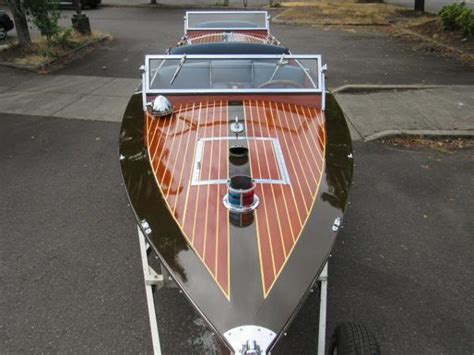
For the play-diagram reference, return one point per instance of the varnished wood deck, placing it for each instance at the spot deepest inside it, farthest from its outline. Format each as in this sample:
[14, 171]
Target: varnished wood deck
[248, 36]
[198, 209]
[207, 37]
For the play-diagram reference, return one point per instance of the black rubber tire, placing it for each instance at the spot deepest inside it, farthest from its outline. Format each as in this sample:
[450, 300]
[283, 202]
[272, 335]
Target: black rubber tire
[353, 339]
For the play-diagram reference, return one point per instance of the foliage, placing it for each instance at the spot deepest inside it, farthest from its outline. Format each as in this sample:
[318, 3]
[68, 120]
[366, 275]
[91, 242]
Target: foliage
[458, 17]
[466, 22]
[60, 42]
[45, 15]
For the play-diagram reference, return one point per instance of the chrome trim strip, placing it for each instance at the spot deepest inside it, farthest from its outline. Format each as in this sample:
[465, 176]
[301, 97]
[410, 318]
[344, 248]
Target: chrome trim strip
[223, 181]
[234, 209]
[233, 91]
[317, 57]
[323, 86]
[232, 56]
[281, 161]
[143, 91]
[197, 161]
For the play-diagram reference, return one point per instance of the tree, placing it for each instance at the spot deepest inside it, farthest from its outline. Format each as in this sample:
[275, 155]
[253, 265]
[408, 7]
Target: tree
[419, 5]
[21, 22]
[45, 15]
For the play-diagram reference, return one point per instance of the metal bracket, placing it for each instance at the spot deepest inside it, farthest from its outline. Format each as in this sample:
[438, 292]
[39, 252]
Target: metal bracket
[152, 278]
[251, 339]
[323, 278]
[251, 348]
[337, 224]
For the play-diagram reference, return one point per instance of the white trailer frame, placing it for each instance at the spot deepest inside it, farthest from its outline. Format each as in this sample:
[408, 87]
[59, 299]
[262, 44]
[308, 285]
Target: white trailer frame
[155, 280]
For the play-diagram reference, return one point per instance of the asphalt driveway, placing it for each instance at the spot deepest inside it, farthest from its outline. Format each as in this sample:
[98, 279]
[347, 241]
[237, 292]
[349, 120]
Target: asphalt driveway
[70, 267]
[70, 271]
[359, 57]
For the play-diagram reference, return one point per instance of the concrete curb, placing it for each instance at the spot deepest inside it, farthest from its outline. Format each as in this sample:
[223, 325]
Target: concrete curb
[433, 133]
[360, 88]
[190, 6]
[44, 66]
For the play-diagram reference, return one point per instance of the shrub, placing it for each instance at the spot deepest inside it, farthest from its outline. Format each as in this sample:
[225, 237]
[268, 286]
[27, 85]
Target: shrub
[64, 39]
[45, 15]
[59, 43]
[458, 17]
[466, 22]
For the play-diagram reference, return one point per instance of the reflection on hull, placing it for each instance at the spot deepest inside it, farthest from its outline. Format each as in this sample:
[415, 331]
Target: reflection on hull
[239, 268]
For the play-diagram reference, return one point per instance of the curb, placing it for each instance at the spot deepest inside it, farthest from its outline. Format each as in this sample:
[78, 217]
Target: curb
[367, 88]
[193, 6]
[44, 66]
[420, 132]
[362, 88]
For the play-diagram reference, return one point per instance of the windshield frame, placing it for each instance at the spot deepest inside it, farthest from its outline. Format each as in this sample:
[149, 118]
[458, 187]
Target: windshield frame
[317, 57]
[237, 13]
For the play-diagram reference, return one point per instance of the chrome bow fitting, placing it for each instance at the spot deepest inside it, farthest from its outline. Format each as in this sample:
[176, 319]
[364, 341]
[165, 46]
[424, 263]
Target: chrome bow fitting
[161, 106]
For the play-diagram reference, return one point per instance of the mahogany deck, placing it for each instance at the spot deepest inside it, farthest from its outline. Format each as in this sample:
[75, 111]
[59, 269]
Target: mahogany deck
[195, 37]
[198, 209]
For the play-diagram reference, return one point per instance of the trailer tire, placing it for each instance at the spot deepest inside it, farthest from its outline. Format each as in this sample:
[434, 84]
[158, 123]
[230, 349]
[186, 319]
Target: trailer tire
[353, 339]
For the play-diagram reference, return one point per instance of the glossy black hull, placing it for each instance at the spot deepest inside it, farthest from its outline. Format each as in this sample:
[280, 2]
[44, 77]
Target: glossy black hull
[301, 271]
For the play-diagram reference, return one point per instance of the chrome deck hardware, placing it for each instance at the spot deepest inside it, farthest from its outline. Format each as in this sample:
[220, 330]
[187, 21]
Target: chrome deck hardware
[337, 224]
[237, 127]
[250, 339]
[161, 106]
[240, 197]
[251, 348]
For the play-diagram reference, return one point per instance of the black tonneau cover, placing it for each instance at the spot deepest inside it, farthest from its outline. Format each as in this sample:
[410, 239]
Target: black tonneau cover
[229, 48]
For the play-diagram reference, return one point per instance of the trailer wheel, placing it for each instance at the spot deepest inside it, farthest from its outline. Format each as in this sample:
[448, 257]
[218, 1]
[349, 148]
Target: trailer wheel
[3, 35]
[353, 339]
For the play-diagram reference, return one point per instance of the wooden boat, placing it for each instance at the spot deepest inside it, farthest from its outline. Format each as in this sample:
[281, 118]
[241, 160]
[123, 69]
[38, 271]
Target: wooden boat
[237, 164]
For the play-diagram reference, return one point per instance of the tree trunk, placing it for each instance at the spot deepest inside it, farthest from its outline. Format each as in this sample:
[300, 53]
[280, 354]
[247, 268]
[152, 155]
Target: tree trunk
[21, 22]
[419, 5]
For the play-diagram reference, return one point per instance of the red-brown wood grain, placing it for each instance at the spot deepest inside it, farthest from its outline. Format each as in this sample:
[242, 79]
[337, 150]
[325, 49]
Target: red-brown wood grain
[198, 209]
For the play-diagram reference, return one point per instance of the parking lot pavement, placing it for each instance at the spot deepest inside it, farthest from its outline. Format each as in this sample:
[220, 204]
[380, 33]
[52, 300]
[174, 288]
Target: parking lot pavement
[359, 57]
[70, 265]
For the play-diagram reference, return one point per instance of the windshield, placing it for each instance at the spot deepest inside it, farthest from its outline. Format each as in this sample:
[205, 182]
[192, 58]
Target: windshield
[225, 73]
[255, 20]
